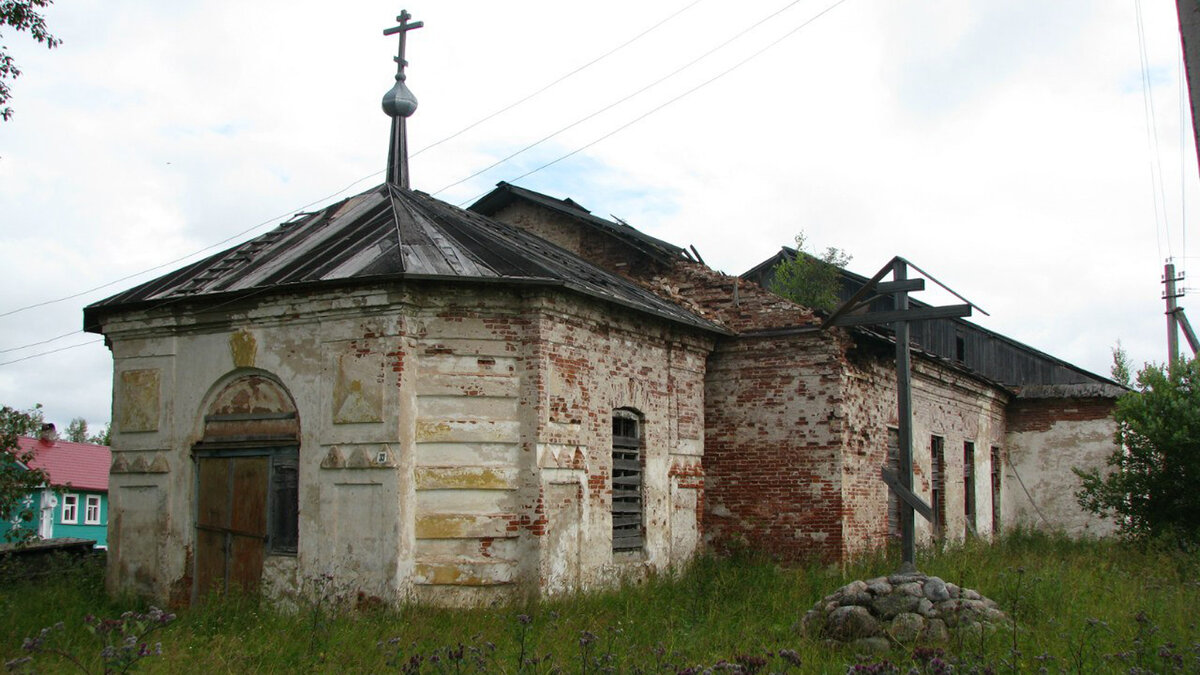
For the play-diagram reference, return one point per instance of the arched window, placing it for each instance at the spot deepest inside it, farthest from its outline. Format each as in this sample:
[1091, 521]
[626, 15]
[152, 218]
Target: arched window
[626, 481]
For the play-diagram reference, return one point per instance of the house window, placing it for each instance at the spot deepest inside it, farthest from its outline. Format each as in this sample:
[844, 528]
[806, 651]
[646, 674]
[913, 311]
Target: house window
[91, 512]
[937, 456]
[969, 485]
[626, 481]
[996, 469]
[70, 509]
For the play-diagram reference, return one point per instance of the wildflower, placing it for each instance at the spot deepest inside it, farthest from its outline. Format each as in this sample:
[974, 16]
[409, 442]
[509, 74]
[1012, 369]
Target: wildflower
[791, 656]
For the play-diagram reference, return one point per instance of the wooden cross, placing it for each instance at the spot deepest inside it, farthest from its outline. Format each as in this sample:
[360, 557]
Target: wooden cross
[900, 482]
[402, 29]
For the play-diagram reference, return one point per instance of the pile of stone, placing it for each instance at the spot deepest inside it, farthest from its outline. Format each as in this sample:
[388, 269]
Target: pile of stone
[905, 608]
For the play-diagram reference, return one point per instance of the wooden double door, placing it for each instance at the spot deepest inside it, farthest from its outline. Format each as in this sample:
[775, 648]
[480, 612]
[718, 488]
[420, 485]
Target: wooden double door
[231, 523]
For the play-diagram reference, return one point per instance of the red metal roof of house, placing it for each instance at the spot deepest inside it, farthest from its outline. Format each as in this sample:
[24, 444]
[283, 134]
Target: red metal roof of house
[83, 466]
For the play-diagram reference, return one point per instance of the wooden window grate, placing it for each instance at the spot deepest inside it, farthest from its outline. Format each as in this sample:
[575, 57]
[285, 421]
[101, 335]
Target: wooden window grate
[626, 482]
[997, 468]
[969, 485]
[937, 456]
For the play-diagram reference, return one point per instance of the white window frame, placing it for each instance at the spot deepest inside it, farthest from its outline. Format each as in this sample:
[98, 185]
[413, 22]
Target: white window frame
[91, 510]
[70, 509]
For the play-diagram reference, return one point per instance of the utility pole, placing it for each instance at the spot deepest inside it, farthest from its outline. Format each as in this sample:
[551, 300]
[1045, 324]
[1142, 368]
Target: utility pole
[1171, 295]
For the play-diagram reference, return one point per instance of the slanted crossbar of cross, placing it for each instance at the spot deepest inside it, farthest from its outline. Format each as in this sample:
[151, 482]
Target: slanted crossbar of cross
[402, 29]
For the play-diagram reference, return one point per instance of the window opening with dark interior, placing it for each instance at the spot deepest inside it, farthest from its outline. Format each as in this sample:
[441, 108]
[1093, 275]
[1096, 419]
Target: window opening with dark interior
[996, 477]
[969, 485]
[938, 459]
[626, 481]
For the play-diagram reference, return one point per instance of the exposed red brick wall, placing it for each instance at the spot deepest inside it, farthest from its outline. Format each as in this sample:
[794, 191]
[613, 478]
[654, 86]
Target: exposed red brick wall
[1041, 414]
[772, 446]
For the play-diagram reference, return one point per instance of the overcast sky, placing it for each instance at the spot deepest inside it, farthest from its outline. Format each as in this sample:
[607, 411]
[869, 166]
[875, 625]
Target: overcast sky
[1001, 145]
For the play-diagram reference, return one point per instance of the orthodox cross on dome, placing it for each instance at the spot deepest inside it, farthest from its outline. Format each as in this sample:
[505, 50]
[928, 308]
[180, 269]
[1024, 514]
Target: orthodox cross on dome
[399, 103]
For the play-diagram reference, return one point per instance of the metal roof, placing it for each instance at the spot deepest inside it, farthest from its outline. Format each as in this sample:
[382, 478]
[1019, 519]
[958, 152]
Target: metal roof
[996, 357]
[81, 466]
[506, 193]
[390, 233]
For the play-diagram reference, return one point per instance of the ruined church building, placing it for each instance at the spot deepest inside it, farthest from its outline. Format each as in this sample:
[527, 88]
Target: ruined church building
[461, 406]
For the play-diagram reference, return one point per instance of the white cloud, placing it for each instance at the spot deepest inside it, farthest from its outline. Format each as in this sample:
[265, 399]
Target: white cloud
[999, 144]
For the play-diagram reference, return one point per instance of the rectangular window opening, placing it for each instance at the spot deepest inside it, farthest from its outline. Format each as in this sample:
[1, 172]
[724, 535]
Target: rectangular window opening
[893, 463]
[91, 512]
[997, 468]
[969, 485]
[626, 482]
[938, 460]
[70, 509]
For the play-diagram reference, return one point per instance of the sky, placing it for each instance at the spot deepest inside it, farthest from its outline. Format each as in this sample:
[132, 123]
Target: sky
[1005, 146]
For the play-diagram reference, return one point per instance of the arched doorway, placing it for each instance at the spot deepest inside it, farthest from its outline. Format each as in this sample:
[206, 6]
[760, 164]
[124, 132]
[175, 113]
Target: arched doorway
[247, 484]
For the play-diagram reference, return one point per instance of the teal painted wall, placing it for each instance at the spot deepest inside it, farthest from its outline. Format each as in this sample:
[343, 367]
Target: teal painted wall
[81, 529]
[31, 501]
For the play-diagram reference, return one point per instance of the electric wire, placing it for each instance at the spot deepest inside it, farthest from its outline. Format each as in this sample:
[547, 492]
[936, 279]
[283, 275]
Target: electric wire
[578, 70]
[188, 256]
[670, 101]
[622, 127]
[275, 219]
[42, 342]
[623, 99]
[52, 351]
[1158, 196]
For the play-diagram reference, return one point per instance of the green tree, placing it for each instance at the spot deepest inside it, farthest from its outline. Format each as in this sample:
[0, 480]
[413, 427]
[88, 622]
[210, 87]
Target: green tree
[1150, 487]
[77, 430]
[102, 438]
[1120, 369]
[23, 15]
[17, 479]
[809, 279]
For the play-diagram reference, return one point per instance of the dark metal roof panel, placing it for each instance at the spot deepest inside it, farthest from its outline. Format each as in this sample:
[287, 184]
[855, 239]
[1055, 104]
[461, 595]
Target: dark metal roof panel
[505, 193]
[391, 232]
[996, 357]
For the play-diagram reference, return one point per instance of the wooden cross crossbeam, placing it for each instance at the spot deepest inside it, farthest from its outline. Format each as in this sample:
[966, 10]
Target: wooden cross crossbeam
[899, 482]
[402, 29]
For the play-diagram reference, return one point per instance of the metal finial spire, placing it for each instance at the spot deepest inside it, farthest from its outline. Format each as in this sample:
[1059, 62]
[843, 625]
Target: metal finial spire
[399, 103]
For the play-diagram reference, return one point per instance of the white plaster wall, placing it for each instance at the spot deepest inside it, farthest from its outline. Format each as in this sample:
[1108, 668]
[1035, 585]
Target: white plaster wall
[431, 481]
[1039, 486]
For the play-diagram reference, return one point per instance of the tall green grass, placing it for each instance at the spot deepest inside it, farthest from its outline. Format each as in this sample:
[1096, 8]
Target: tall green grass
[1078, 607]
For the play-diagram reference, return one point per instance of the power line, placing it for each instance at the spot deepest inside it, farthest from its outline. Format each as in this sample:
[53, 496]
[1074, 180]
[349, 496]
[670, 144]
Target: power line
[578, 70]
[35, 344]
[625, 98]
[52, 351]
[270, 221]
[185, 257]
[622, 127]
[1157, 191]
[659, 107]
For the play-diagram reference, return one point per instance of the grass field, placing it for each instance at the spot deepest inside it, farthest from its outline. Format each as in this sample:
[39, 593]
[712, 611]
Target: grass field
[1077, 606]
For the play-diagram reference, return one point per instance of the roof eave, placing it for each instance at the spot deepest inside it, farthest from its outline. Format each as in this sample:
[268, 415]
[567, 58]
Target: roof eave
[93, 315]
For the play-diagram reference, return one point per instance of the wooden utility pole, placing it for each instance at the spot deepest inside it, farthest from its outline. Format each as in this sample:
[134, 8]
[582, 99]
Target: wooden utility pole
[1170, 296]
